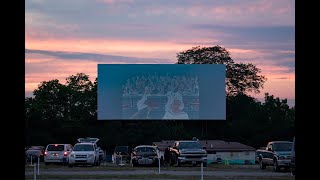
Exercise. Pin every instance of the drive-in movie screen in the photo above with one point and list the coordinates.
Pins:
(161, 91)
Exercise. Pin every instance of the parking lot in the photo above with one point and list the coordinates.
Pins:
(112, 171)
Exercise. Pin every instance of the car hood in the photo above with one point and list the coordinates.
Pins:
(146, 154)
(283, 153)
(193, 151)
(82, 152)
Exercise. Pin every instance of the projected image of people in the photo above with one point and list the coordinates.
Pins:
(174, 107)
(144, 106)
(161, 96)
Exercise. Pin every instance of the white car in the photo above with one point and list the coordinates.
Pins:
(85, 153)
(57, 153)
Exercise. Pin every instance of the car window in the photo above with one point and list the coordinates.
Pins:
(55, 147)
(83, 147)
(190, 145)
(282, 146)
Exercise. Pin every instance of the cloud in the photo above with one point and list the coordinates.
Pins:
(93, 57)
(43, 65)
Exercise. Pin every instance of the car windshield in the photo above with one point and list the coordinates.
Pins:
(121, 149)
(190, 145)
(55, 148)
(83, 147)
(145, 149)
(282, 146)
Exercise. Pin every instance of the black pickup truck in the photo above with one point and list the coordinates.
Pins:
(276, 154)
(188, 152)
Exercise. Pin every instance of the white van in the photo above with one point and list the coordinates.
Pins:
(57, 153)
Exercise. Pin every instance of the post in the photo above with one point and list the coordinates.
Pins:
(121, 164)
(159, 163)
(38, 165)
(201, 170)
(31, 160)
(34, 171)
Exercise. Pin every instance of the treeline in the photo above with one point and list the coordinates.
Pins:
(61, 113)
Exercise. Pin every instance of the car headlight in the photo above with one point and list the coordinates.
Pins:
(90, 155)
(281, 157)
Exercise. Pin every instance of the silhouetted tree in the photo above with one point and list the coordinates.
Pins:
(240, 77)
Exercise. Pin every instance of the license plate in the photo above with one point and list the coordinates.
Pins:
(55, 154)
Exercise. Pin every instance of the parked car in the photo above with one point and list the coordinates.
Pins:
(293, 157)
(123, 151)
(144, 155)
(57, 153)
(86, 152)
(34, 152)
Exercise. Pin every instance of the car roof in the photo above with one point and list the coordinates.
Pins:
(58, 144)
(36, 147)
(188, 141)
(281, 141)
(145, 146)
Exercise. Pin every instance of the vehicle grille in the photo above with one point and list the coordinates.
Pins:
(81, 156)
(194, 156)
(288, 157)
(81, 161)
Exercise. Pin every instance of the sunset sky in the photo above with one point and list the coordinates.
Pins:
(63, 38)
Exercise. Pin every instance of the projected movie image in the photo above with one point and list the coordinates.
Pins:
(161, 96)
(161, 92)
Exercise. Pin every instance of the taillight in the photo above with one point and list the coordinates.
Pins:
(65, 153)
(45, 153)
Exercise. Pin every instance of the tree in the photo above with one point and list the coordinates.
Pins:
(240, 77)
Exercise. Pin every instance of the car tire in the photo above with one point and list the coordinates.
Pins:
(275, 166)
(261, 164)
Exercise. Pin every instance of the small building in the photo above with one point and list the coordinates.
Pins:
(219, 151)
(229, 152)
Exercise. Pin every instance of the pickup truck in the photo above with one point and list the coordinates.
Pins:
(188, 152)
(276, 154)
